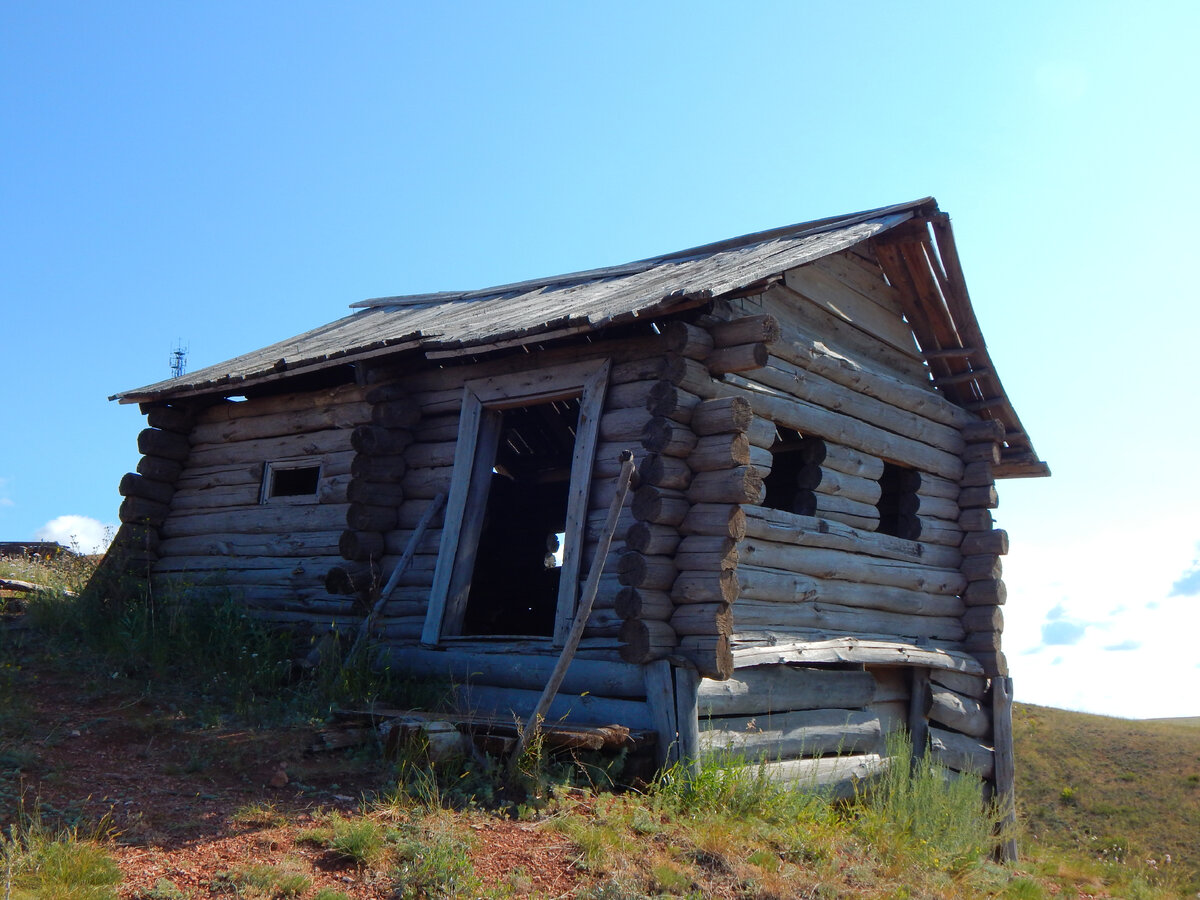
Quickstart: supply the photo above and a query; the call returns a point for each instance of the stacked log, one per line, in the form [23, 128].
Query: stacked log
[376, 491]
[147, 499]
[646, 567]
[798, 720]
[982, 546]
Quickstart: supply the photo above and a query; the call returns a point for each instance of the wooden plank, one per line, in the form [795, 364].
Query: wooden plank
[456, 505]
[1005, 767]
[660, 698]
[687, 719]
[765, 689]
[851, 650]
[847, 304]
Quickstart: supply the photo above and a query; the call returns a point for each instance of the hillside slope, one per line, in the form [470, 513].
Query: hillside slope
[1116, 789]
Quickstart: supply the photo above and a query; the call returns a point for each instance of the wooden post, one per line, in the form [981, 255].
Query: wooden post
[687, 717]
[1005, 775]
[581, 614]
[918, 708]
[660, 697]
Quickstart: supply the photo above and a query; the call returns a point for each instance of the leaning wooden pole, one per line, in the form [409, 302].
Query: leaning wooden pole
[624, 477]
[409, 551]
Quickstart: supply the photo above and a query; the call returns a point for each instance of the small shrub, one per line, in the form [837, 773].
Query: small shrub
[361, 841]
[1067, 796]
[261, 882]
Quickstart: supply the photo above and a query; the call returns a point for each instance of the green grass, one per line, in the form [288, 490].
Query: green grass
[1113, 798]
[37, 863]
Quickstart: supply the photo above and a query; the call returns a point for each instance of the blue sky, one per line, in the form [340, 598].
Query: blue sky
[229, 174]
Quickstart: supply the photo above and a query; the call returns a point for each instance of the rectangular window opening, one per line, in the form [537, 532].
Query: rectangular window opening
[289, 480]
[898, 502]
[795, 472]
[515, 579]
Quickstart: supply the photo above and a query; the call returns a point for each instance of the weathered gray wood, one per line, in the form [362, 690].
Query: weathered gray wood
[660, 698]
[845, 303]
[991, 543]
[740, 358]
[709, 586]
[766, 689]
[142, 511]
[671, 401]
[791, 528]
[851, 650]
[778, 586]
[818, 357]
[792, 735]
[918, 711]
[961, 753]
[853, 487]
[160, 469]
[959, 713]
[839, 565]
[639, 603]
[974, 686]
[282, 403]
[294, 422]
[755, 615]
[659, 505]
[164, 444]
[646, 537]
[645, 640]
[290, 447]
[133, 485]
[984, 593]
[719, 519]
[286, 544]
[810, 418]
[742, 484]
[568, 708]
[687, 682]
[502, 666]
[702, 618]
[799, 382]
[687, 340]
[1005, 769]
[724, 415]
[837, 776]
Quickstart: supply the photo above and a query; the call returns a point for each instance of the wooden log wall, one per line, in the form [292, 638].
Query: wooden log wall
[147, 494]
[219, 537]
[790, 717]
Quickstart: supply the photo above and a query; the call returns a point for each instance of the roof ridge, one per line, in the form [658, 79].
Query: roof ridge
[800, 229]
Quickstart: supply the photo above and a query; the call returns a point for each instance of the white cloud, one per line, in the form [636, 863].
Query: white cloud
[1095, 621]
[88, 534]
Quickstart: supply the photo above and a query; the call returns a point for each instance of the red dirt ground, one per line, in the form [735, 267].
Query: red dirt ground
[172, 793]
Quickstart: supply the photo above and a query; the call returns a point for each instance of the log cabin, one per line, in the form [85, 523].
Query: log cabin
[807, 560]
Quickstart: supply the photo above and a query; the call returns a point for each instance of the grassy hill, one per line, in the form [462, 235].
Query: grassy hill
[166, 756]
[1118, 790]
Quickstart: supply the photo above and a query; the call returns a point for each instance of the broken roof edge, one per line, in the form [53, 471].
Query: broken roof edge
[926, 205]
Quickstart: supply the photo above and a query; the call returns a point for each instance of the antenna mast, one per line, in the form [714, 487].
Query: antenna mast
[178, 359]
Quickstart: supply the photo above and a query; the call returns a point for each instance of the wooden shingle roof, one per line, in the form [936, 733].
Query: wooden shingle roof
[912, 242]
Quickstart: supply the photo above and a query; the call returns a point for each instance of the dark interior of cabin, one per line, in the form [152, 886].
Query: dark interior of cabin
[514, 587]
